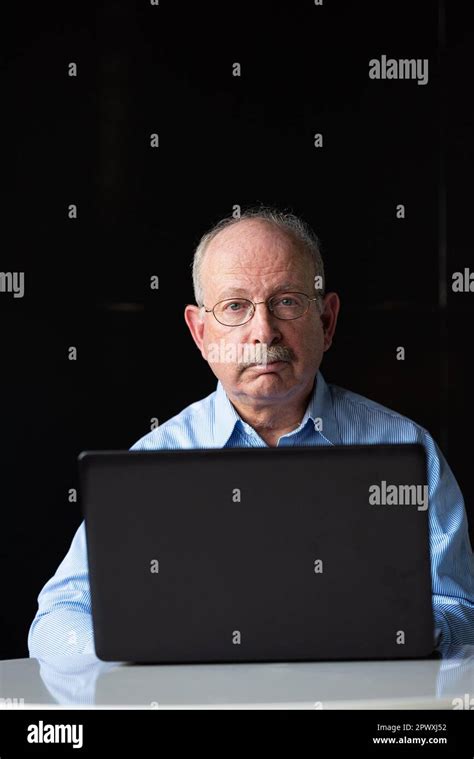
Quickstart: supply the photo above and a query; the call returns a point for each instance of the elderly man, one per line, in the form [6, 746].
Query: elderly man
[259, 284]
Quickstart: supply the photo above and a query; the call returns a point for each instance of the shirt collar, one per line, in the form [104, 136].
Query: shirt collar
[320, 407]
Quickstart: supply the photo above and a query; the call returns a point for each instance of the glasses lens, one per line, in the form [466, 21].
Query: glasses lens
[233, 312]
[289, 305]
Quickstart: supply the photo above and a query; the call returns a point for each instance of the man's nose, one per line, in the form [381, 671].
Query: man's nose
[264, 325]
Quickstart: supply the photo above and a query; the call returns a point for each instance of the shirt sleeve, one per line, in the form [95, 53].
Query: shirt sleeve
[452, 561]
[63, 622]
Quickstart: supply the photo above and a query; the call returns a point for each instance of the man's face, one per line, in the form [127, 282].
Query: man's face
[253, 259]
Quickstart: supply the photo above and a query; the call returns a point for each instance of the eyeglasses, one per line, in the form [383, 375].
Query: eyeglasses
[233, 312]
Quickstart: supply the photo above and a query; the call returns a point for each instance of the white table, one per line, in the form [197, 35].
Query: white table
[84, 681]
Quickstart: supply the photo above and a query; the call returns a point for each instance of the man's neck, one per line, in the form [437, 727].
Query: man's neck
[272, 421]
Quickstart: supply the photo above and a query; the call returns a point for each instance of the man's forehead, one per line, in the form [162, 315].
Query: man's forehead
[247, 254]
[234, 291]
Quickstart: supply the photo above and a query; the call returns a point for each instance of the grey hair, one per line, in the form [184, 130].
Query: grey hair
[287, 221]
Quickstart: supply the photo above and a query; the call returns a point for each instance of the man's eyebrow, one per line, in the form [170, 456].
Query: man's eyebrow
[230, 292]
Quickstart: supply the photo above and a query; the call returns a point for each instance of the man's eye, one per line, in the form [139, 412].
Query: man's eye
[285, 302]
[230, 306]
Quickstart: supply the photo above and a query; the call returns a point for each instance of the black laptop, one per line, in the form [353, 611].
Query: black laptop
[258, 554]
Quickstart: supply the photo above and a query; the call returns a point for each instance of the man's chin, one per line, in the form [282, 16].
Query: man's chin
[261, 382]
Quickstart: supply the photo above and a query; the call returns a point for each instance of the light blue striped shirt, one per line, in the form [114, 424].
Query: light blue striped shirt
[334, 416]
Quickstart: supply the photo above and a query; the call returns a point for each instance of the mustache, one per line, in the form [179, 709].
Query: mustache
[267, 354]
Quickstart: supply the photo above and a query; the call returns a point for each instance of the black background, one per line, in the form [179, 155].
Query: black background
[224, 140]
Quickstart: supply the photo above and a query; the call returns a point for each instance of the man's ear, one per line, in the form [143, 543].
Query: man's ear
[192, 317]
[331, 306]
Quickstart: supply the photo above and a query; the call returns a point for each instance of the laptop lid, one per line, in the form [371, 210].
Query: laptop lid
[258, 554]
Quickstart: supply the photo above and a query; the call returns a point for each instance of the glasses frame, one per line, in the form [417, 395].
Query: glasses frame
[254, 304]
